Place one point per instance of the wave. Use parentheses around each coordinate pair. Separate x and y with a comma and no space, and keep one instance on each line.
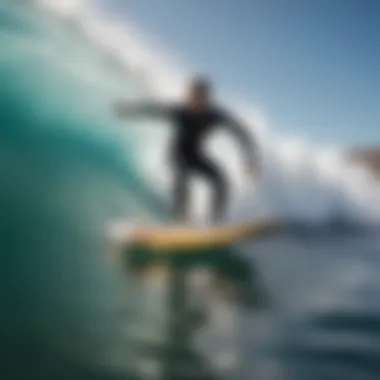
(66,169)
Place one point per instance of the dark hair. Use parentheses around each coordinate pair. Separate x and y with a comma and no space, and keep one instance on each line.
(201,83)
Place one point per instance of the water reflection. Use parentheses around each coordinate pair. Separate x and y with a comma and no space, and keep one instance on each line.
(189,323)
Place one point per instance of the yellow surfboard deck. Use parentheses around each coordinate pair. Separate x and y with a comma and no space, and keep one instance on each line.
(180,240)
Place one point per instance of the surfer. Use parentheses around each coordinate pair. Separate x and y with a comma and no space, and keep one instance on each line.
(194,120)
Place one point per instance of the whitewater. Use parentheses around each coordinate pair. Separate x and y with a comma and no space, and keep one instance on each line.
(68,166)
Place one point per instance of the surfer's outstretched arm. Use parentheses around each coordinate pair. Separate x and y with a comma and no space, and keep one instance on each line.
(125,110)
(185,239)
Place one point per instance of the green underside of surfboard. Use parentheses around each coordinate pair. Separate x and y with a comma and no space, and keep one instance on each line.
(226,263)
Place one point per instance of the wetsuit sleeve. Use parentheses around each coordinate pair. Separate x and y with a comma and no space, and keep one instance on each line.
(126,110)
(240,132)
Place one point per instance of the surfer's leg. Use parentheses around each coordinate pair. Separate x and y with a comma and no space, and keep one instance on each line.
(181,191)
(211,172)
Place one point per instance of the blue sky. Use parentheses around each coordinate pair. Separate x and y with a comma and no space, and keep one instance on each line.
(312,66)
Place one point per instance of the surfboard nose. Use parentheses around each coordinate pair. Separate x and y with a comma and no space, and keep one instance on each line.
(119,231)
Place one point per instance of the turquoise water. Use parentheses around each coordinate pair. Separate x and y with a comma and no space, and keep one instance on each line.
(65,172)
(67,168)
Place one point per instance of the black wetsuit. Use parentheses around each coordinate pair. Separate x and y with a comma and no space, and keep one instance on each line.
(187,150)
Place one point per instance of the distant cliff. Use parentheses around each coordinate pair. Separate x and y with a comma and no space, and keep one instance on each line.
(368,156)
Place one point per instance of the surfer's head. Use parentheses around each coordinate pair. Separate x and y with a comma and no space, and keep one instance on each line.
(200,92)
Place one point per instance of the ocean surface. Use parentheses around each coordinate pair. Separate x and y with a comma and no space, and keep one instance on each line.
(67,167)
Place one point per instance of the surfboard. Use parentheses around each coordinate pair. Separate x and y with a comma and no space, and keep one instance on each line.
(183,239)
